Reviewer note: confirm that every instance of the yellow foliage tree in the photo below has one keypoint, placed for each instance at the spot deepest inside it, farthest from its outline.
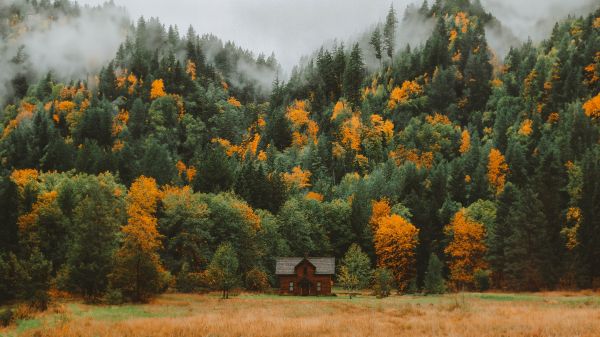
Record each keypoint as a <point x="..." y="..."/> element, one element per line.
<point x="497" y="169"/>
<point x="298" y="114"/>
<point x="526" y="127"/>
<point x="190" y="69"/>
<point x="297" y="178"/>
<point x="592" y="107"/>
<point x="396" y="240"/>
<point x="314" y="196"/>
<point x="138" y="271"/>
<point x="351" y="132"/>
<point x="234" y="102"/>
<point x="158" y="89"/>
<point x="466" y="249"/>
<point x="401" y="95"/>
<point x="465" y="144"/>
<point x="379" y="209"/>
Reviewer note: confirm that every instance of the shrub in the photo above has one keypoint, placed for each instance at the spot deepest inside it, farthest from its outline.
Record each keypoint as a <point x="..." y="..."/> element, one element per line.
<point x="257" y="280"/>
<point x="6" y="317"/>
<point x="383" y="282"/>
<point x="188" y="282"/>
<point x="113" y="297"/>
<point x="482" y="279"/>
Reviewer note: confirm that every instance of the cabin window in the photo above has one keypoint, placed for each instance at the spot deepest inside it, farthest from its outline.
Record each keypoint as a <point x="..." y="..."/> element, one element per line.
<point x="291" y="286"/>
<point x="319" y="286"/>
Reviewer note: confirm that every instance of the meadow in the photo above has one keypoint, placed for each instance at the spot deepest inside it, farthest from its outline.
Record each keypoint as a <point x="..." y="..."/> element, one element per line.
<point x="250" y="315"/>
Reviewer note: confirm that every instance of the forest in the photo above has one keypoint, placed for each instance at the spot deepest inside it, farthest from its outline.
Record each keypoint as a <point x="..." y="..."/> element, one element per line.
<point x="174" y="162"/>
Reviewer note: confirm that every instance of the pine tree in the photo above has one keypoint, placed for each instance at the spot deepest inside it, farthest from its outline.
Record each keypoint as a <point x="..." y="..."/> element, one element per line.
<point x="353" y="76"/>
<point x="389" y="32"/>
<point x="375" y="42"/>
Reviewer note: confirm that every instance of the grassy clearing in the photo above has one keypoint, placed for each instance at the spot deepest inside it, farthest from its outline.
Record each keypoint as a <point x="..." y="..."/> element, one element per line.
<point x="470" y="314"/>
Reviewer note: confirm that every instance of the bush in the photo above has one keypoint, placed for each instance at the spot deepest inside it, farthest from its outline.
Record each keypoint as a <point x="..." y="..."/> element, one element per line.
<point x="257" y="280"/>
<point x="113" y="297"/>
<point x="6" y="317"/>
<point x="383" y="282"/>
<point x="482" y="279"/>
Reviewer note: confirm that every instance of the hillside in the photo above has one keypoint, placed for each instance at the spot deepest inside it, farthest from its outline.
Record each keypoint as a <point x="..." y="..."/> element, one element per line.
<point x="179" y="144"/>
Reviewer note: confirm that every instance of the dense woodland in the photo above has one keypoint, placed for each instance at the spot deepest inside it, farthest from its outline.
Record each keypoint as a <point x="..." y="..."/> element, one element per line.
<point x="174" y="161"/>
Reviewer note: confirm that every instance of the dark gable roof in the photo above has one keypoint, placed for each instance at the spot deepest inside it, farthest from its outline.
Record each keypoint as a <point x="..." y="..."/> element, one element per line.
<point x="286" y="265"/>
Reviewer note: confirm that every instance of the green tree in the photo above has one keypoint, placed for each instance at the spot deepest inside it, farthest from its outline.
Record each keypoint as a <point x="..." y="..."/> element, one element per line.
<point x="223" y="269"/>
<point x="383" y="282"/>
<point x="389" y="32"/>
<point x="355" y="271"/>
<point x="375" y="42"/>
<point x="434" y="282"/>
<point x="353" y="75"/>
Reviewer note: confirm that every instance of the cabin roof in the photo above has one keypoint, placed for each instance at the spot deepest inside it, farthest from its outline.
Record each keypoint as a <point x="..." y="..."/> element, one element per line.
<point x="323" y="265"/>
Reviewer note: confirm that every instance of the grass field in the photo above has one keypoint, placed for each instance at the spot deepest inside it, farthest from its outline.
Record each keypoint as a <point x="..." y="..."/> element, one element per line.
<point x="470" y="314"/>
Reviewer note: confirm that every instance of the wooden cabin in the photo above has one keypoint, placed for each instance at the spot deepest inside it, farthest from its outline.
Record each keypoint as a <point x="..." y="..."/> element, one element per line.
<point x="304" y="276"/>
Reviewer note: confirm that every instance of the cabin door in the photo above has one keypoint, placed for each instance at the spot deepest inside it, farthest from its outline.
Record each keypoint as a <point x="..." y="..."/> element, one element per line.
<point x="304" y="287"/>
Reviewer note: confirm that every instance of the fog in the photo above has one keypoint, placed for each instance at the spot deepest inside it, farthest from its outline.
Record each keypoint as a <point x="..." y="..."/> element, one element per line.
<point x="76" y="47"/>
<point x="70" y="47"/>
<point x="295" y="28"/>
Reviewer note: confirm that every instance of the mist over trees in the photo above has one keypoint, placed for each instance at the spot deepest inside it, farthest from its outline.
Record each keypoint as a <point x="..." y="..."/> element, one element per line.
<point x="186" y="163"/>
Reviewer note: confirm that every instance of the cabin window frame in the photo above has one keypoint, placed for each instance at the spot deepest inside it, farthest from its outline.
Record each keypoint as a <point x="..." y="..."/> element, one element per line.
<point x="318" y="287"/>
<point x="291" y="286"/>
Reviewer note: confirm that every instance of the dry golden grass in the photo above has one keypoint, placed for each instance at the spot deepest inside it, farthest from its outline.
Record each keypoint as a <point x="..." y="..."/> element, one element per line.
<point x="546" y="315"/>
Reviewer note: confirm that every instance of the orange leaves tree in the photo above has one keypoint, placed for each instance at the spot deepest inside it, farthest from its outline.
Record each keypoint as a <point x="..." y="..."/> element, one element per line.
<point x="497" y="169"/>
<point x="466" y="249"/>
<point x="396" y="240"/>
<point x="158" y="89"/>
<point x="592" y="107"/>
<point x="138" y="272"/>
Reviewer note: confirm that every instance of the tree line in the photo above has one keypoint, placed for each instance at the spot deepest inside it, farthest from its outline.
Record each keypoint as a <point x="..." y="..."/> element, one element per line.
<point x="174" y="170"/>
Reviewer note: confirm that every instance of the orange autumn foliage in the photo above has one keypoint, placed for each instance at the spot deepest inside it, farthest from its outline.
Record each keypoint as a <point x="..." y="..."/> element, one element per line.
<point x="339" y="108"/>
<point x="65" y="106"/>
<point x="465" y="143"/>
<point x="379" y="209"/>
<point x="297" y="114"/>
<point x="438" y="118"/>
<point x="234" y="102"/>
<point x="526" y="127"/>
<point x="190" y="69"/>
<point x="314" y="196"/>
<point x="351" y="132"/>
<point x="119" y="122"/>
<point x="396" y="241"/>
<point x="158" y="89"/>
<point x="462" y="21"/>
<point x="466" y="249"/>
<point x="141" y="228"/>
<point x="401" y="95"/>
<point x="381" y="127"/>
<point x="249" y="215"/>
<point x="497" y="169"/>
<point x="23" y="177"/>
<point x="297" y="178"/>
<point x="592" y="107"/>
<point x="402" y="155"/>
<point x="45" y="206"/>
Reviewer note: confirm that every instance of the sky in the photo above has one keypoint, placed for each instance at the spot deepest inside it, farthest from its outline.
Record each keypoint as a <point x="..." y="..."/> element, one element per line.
<point x="293" y="28"/>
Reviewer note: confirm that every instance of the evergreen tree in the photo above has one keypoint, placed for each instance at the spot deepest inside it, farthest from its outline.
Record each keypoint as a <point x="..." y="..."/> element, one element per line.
<point x="433" y="282"/>
<point x="389" y="32"/>
<point x="353" y="76"/>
